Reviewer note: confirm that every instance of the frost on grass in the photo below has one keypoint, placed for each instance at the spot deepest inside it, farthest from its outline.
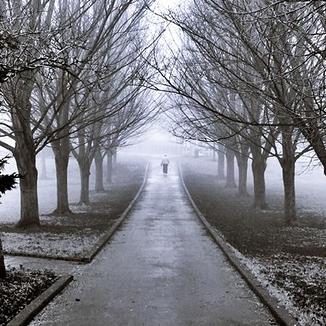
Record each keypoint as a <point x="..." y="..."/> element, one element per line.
<point x="289" y="261"/>
<point x="296" y="282"/>
<point x="82" y="208"/>
<point x="19" y="288"/>
<point x="49" y="244"/>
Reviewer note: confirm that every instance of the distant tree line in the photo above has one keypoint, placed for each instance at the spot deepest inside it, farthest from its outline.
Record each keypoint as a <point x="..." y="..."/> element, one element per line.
<point x="249" y="79"/>
<point x="72" y="75"/>
<point x="71" y="78"/>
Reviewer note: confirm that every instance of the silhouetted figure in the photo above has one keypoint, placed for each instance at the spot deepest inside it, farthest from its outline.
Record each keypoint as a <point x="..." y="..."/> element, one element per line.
<point x="165" y="163"/>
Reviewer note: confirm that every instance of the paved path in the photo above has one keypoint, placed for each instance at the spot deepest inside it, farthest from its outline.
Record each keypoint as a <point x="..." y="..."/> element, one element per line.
<point x="160" y="268"/>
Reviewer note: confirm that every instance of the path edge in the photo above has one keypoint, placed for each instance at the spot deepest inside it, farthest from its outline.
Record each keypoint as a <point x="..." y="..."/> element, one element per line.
<point x="40" y="302"/>
<point x="101" y="242"/>
<point x="106" y="237"/>
<point x="278" y="311"/>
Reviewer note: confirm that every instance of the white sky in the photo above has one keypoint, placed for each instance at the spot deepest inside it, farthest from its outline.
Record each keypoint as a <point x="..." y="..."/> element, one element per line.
<point x="169" y="4"/>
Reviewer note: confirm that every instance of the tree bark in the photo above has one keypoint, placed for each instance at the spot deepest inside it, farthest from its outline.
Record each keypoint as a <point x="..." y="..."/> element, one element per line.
<point x="84" y="156"/>
<point x="99" y="187"/>
<point x="230" y="179"/>
<point x="61" y="166"/>
<point x="242" y="161"/>
<point x="61" y="152"/>
<point x="84" y="168"/>
<point x="26" y="158"/>
<point x="258" y="171"/>
<point x="220" y="163"/>
<point x="109" y="168"/>
<point x="289" y="191"/>
<point x="25" y="151"/>
<point x="288" y="171"/>
<point x="2" y="263"/>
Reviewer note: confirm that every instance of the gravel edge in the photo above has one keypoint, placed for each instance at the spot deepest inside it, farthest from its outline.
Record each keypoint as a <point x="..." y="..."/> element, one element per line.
<point x="278" y="311"/>
<point x="33" y="308"/>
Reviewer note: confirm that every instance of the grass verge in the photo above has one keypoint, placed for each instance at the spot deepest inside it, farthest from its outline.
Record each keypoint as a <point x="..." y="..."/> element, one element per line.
<point x="72" y="237"/>
<point x="19" y="288"/>
<point x="287" y="260"/>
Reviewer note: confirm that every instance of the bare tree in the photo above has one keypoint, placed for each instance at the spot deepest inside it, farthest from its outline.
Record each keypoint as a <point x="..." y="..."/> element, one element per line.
<point x="62" y="45"/>
<point x="269" y="64"/>
<point x="109" y="55"/>
<point x="128" y="115"/>
<point x="36" y="47"/>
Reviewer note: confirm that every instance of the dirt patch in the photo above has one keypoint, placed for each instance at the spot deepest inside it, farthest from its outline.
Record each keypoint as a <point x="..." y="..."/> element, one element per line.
<point x="19" y="288"/>
<point x="288" y="259"/>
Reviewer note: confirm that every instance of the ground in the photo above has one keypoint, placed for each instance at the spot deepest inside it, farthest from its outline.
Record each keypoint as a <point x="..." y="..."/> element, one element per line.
<point x="60" y="236"/>
<point x="19" y="288"/>
<point x="160" y="268"/>
<point x="74" y="235"/>
<point x="289" y="260"/>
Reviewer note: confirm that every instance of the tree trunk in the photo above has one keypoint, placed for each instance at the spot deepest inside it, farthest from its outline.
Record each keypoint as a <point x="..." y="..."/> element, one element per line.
<point x="61" y="154"/>
<point x="109" y="167"/>
<point x="25" y="151"/>
<point x="2" y="263"/>
<point x="84" y="168"/>
<point x="258" y="170"/>
<point x="99" y="187"/>
<point x="230" y="179"/>
<point x="288" y="171"/>
<point x="214" y="154"/>
<point x="220" y="162"/>
<point x="25" y="159"/>
<point x="61" y="166"/>
<point x="242" y="161"/>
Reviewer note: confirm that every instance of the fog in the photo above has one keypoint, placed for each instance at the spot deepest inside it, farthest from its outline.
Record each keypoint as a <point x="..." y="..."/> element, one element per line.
<point x="310" y="181"/>
<point x="167" y="139"/>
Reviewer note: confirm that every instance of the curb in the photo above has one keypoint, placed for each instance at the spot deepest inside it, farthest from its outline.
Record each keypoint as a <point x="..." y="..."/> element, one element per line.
<point x="91" y="253"/>
<point x="279" y="313"/>
<point x="106" y="237"/>
<point x="33" y="308"/>
<point x="22" y="254"/>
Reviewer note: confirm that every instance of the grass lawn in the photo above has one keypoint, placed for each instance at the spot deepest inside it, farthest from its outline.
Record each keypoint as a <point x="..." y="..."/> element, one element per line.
<point x="19" y="288"/>
<point x="74" y="235"/>
<point x="289" y="260"/>
<point x="63" y="236"/>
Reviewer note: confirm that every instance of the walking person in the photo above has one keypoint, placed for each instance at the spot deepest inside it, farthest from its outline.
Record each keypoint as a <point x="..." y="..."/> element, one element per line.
<point x="165" y="163"/>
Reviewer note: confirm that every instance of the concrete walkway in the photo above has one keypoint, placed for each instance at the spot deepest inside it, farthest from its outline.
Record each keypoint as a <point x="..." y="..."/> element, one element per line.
<point x="161" y="268"/>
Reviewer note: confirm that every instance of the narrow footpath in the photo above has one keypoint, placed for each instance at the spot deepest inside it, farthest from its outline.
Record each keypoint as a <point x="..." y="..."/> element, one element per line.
<point x="160" y="268"/>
